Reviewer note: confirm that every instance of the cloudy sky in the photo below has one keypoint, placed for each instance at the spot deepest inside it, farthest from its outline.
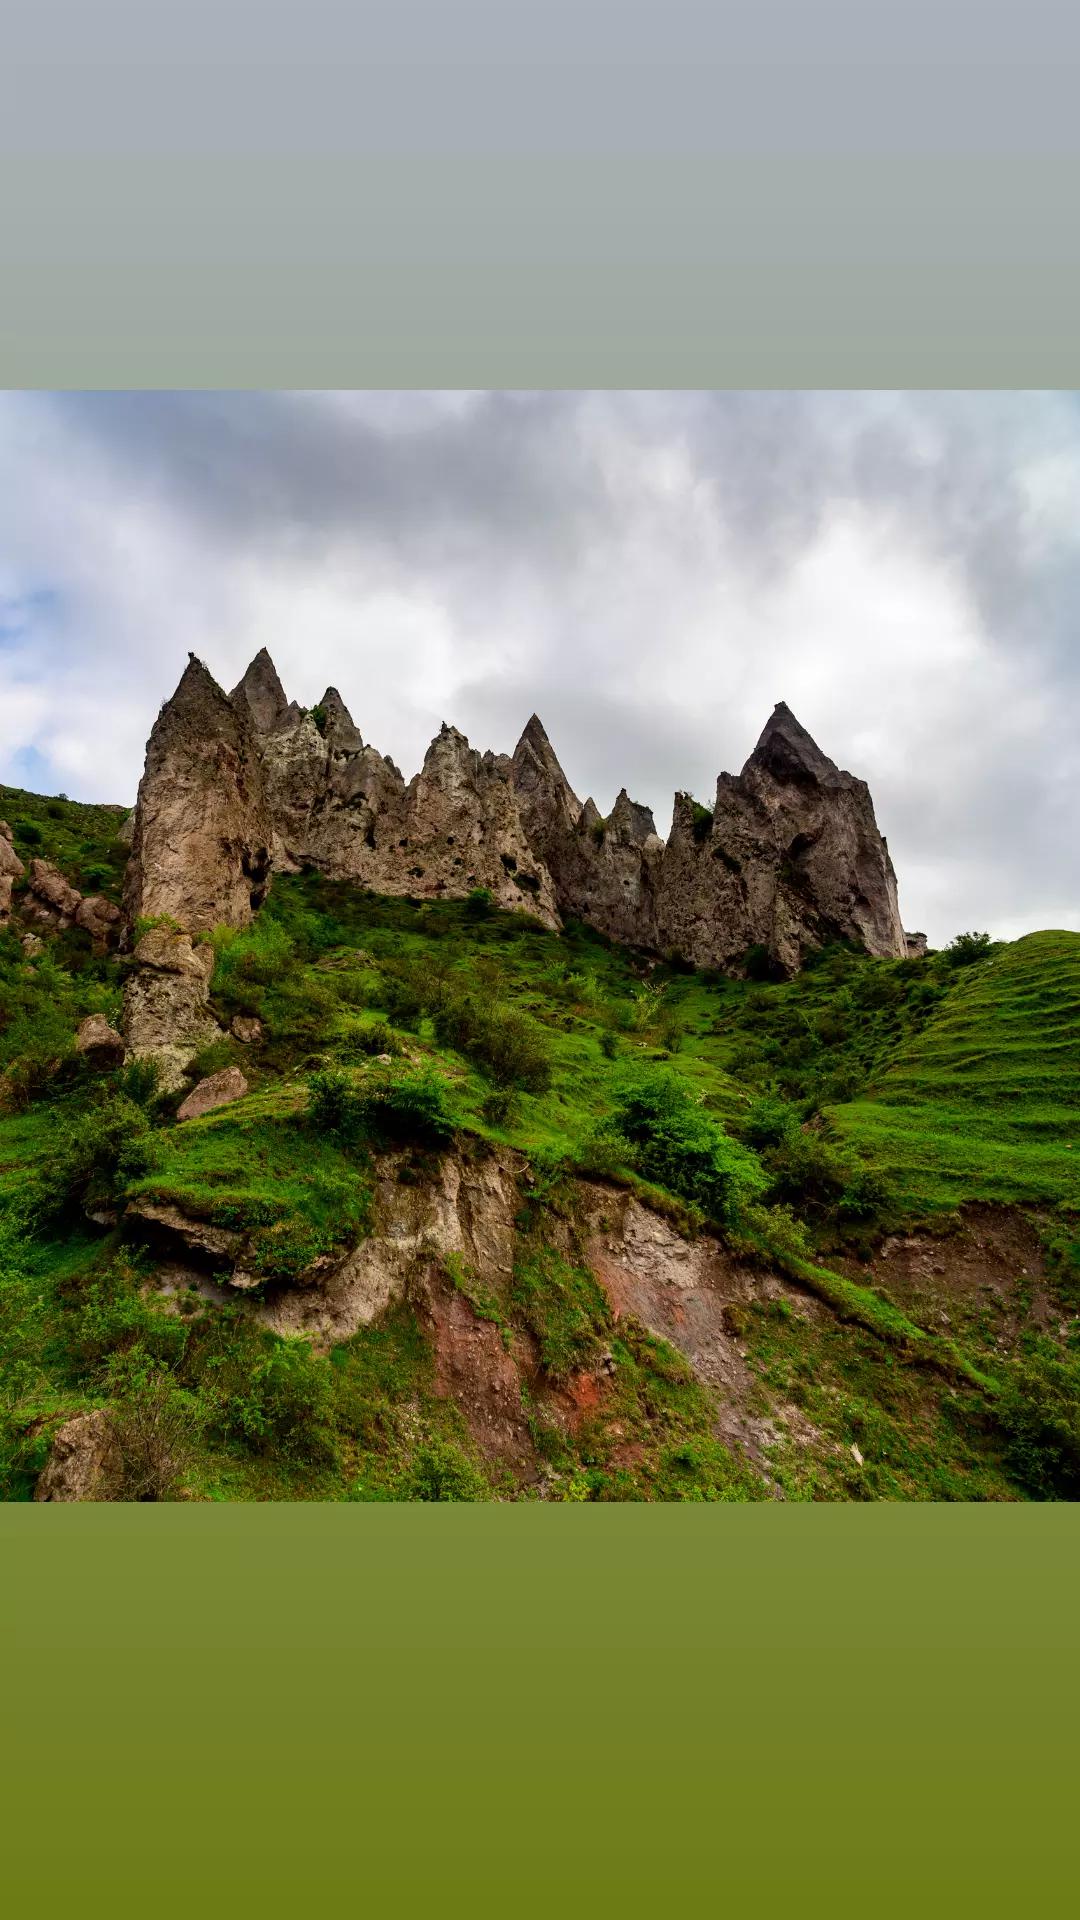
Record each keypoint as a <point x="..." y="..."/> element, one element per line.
<point x="649" y="572"/>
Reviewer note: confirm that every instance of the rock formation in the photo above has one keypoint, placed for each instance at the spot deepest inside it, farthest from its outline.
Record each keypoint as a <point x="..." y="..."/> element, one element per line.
<point x="200" y="850"/>
<point x="789" y="857"/>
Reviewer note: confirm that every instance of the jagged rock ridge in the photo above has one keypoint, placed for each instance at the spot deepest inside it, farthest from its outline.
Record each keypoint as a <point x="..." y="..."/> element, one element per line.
<point x="239" y="785"/>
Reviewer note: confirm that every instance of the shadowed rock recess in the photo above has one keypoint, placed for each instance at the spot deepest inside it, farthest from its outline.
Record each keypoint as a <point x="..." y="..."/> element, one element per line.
<point x="238" y="786"/>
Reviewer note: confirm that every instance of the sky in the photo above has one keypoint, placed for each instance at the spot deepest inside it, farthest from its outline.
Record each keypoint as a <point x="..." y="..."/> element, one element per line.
<point x="649" y="572"/>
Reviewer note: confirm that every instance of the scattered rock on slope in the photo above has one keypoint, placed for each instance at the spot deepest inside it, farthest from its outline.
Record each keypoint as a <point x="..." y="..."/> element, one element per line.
<point x="83" y="1459"/>
<point x="217" y="1090"/>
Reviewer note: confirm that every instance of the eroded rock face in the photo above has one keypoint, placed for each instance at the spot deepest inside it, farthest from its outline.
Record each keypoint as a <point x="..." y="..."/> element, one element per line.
<point x="217" y="1090"/>
<point x="467" y="1208"/>
<point x="83" y="1460"/>
<point x="201" y="845"/>
<point x="100" y="919"/>
<point x="790" y="858"/>
<point x="341" y="806"/>
<point x="166" y="1012"/>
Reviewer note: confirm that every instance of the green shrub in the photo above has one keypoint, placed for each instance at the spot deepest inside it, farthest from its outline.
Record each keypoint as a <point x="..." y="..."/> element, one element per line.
<point x="673" y="1141"/>
<point x="27" y="833"/>
<point x="410" y="1104"/>
<point x="440" y="1471"/>
<point x="807" y="1170"/>
<point x="360" y="1041"/>
<point x="333" y="1104"/>
<point x="498" y="1108"/>
<point x="701" y="822"/>
<point x="504" y="1042"/>
<point x="157" y="1427"/>
<point x="479" y="902"/>
<point x="250" y="958"/>
<point x="280" y="1399"/>
<point x="398" y="1102"/>
<point x="95" y="1154"/>
<point x="609" y="1044"/>
<point x="139" y="1081"/>
<point x="968" y="948"/>
<point x="1038" y="1411"/>
<point x="115" y="1320"/>
<point x="768" y="1120"/>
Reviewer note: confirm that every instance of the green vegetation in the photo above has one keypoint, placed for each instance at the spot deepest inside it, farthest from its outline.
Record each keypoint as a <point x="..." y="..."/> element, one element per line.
<point x="799" y="1121"/>
<point x="80" y="840"/>
<point x="983" y="1101"/>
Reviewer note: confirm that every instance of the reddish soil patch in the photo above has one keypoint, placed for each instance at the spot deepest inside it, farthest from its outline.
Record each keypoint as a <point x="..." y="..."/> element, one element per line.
<point x="474" y="1369"/>
<point x="682" y="1290"/>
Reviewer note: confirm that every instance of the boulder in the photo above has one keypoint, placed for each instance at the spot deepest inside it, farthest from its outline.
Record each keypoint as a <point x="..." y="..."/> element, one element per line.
<point x="100" y="919"/>
<point x="49" y="900"/>
<point x="99" y="1043"/>
<point x="84" y="1460"/>
<point x="217" y="1090"/>
<point x="245" y="1028"/>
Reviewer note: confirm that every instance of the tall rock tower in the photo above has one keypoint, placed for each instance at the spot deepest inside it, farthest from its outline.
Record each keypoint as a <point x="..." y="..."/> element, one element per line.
<point x="200" y="849"/>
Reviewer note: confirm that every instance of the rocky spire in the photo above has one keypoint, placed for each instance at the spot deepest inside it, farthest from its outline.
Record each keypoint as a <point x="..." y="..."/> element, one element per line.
<point x="787" y="751"/>
<point x="339" y="728"/>
<point x="201" y="845"/>
<point x="549" y="806"/>
<point x="631" y="821"/>
<point x="262" y="694"/>
<point x="791" y="859"/>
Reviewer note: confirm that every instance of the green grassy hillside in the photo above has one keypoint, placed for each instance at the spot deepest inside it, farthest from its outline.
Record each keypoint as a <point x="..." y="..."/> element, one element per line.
<point x="984" y="1103"/>
<point x="800" y="1123"/>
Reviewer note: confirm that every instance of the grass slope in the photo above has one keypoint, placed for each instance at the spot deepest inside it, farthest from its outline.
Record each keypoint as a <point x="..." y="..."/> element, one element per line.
<point x="984" y="1103"/>
<point x="800" y="1118"/>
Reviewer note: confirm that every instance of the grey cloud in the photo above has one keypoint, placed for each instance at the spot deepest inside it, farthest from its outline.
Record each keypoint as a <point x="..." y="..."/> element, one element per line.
<point x="626" y="564"/>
